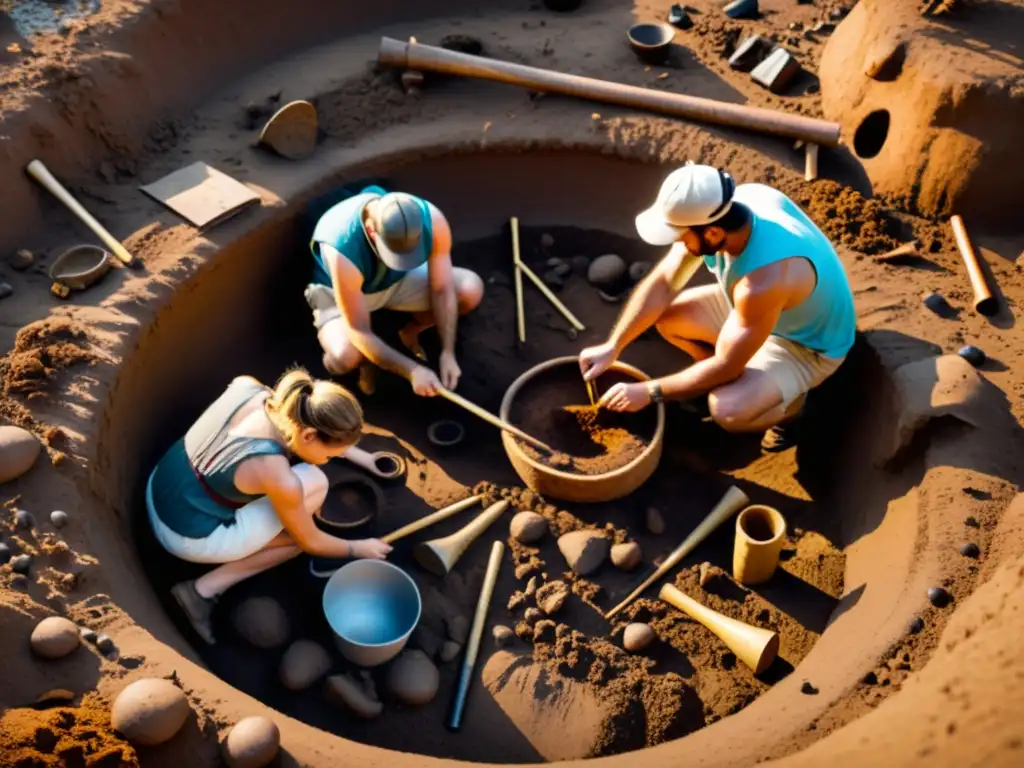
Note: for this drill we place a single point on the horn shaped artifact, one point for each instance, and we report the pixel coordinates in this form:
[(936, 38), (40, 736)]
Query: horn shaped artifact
[(755, 647), (429, 520), (731, 502), (439, 556)]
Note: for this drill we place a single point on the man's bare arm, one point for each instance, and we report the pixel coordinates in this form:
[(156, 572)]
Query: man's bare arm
[(650, 299), (347, 282), (443, 300), (758, 300)]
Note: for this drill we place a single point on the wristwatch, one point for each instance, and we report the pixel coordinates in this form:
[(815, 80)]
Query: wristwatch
[(654, 390)]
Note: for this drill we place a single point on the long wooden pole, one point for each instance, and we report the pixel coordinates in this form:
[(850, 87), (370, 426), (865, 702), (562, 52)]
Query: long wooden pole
[(520, 315), (489, 417), (573, 321), (398, 53), (431, 519), (729, 505), (984, 302)]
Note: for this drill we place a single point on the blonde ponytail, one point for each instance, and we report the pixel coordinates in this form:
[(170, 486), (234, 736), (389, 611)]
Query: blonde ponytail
[(303, 402)]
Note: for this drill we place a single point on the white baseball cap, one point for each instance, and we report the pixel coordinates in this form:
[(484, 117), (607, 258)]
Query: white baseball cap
[(691, 196)]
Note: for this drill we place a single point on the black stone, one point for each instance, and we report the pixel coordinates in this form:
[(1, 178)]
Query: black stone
[(809, 689), (937, 303), (970, 549), (916, 625), (104, 644), (939, 597), (5, 553), (24, 519), (973, 355), (678, 17), (870, 679), (21, 563), (972, 522), (59, 518)]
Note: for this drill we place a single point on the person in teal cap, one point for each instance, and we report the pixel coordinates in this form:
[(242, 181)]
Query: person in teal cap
[(777, 321), (388, 250)]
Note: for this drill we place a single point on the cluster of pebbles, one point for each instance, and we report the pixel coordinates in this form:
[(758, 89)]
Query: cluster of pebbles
[(608, 273)]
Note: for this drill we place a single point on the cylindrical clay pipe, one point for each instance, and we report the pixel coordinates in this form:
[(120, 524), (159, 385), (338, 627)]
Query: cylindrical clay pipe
[(760, 532)]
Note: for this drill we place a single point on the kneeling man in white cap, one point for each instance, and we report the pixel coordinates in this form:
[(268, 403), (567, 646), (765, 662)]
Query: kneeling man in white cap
[(776, 323), (388, 250)]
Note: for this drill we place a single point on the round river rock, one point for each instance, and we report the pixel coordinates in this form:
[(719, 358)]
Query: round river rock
[(637, 636), (303, 664), (149, 711), (263, 622), (626, 557), (251, 743), (413, 678), (584, 550), (19, 450), (527, 527), (55, 637), (606, 270)]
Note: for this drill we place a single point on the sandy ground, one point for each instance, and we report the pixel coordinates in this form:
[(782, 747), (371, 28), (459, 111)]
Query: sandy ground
[(82, 377)]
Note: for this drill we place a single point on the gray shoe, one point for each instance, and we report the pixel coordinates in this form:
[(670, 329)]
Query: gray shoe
[(198, 609)]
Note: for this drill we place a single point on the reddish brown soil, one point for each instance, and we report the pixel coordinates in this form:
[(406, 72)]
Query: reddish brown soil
[(159, 359), (553, 407), (63, 737)]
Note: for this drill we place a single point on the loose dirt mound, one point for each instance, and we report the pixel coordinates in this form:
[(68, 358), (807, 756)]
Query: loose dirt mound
[(64, 737)]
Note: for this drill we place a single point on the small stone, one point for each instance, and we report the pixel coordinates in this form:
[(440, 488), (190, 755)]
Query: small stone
[(637, 636), (606, 270), (252, 742), (584, 550), (24, 519), (742, 9), (428, 640), (544, 631), (808, 689), (580, 264), (972, 522), (262, 622), (88, 635), (528, 527), (937, 303), (19, 450), (5, 553), (343, 690), (552, 596), (547, 242), (58, 518), (750, 53), (516, 600), (149, 711), (458, 629), (554, 280), (450, 650), (5, 290), (973, 355), (413, 679), (777, 71), (531, 587), (638, 270), (627, 556), (939, 597), (916, 625), (21, 564), (21, 260), (533, 615), (970, 549), (105, 644), (559, 266), (303, 664), (54, 637), (655, 522), (502, 635)]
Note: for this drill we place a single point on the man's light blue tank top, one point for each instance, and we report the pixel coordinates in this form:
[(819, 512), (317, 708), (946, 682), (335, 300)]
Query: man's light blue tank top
[(825, 321), (342, 228)]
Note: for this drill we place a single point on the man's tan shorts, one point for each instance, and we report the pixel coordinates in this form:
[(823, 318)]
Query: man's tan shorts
[(793, 367)]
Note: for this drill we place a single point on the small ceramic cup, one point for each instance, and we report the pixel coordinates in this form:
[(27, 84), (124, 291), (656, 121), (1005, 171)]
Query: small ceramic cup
[(760, 533)]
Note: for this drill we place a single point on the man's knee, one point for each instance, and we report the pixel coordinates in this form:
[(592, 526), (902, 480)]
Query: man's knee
[(341, 361), (469, 289), (730, 413)]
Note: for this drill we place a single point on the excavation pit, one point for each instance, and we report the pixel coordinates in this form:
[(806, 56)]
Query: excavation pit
[(689, 679)]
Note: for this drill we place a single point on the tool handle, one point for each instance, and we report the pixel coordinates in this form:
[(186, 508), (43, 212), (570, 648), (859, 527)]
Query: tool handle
[(984, 301), (42, 174), (573, 321), (475, 636), (520, 313), (476, 410), (429, 520)]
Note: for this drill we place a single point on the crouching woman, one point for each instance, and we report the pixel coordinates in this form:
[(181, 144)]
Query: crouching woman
[(240, 488)]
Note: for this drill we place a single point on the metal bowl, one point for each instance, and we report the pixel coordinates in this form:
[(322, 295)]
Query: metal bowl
[(372, 606), (567, 486)]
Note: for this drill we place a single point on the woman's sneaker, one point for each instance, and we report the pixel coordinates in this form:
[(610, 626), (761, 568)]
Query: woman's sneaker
[(198, 609)]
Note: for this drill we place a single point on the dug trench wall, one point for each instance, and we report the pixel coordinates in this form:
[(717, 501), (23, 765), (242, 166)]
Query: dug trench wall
[(162, 338)]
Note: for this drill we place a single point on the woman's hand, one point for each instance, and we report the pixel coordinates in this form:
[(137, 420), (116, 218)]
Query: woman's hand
[(369, 549)]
